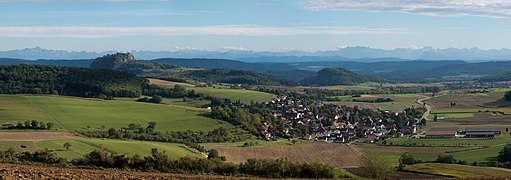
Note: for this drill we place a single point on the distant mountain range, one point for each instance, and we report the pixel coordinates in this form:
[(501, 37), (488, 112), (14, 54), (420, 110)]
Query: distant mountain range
[(356, 54)]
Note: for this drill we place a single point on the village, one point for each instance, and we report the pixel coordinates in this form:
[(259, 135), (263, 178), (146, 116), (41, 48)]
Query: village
[(346, 127), (339, 126)]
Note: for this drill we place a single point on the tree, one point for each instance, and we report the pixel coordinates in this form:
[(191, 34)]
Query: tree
[(507, 96), (34, 124), (49, 125), (156, 99), (375, 166), (151, 125), (424, 122), (407, 159), (448, 159), (112, 132), (505, 154), (435, 118), (213, 153), (67, 145)]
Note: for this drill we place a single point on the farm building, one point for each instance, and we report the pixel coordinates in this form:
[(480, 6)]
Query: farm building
[(482, 132), (441, 134)]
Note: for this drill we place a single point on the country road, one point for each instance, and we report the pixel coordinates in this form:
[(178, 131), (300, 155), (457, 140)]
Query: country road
[(428, 107)]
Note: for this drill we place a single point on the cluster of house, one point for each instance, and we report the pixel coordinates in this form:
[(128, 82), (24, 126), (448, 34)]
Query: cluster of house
[(456, 133), (343, 128)]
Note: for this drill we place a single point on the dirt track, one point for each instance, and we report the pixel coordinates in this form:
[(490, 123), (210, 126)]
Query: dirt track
[(35, 136), (338, 155), (11, 172)]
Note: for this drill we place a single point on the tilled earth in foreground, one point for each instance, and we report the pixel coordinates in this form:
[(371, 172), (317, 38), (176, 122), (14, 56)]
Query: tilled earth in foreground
[(11, 172)]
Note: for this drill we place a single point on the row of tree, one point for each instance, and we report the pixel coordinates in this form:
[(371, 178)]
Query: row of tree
[(137, 132), (34, 124)]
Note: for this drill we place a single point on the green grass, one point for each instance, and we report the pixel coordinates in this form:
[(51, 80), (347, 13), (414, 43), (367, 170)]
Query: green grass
[(189, 102), (16, 145), (245, 96), (446, 96), (401, 101), (76, 113), (459, 171), (450, 142), (81, 147), (452, 115), (341, 173), (485, 151)]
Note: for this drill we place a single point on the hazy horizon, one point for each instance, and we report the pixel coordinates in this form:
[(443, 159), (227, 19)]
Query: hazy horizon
[(256, 25)]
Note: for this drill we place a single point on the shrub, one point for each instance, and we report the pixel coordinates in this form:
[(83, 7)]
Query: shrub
[(448, 159), (407, 159)]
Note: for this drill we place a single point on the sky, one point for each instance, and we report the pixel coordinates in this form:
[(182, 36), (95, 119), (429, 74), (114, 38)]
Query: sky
[(258, 25)]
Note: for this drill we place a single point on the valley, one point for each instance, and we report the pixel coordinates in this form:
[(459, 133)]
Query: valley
[(338, 124)]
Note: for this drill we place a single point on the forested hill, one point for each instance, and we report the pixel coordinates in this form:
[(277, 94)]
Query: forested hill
[(506, 76), (227, 76), (227, 64), (336, 76), (76, 63), (72, 81)]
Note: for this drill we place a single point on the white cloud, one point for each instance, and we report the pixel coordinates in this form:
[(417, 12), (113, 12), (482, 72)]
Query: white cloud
[(234, 48), (488, 8), (230, 30)]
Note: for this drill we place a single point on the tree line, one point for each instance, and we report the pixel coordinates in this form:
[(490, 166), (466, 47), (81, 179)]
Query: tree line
[(189, 138), (160, 162), (34, 124)]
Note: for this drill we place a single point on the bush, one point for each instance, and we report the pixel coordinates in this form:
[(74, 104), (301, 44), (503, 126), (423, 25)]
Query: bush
[(448, 159), (407, 159), (505, 154)]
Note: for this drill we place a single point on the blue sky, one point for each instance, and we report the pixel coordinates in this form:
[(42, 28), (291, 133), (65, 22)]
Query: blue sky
[(260, 25)]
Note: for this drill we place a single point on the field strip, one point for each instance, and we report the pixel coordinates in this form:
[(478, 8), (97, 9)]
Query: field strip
[(35, 136), (337, 155)]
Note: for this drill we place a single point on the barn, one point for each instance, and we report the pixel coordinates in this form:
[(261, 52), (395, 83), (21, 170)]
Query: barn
[(482, 132)]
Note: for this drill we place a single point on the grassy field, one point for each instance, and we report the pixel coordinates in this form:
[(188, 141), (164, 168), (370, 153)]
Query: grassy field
[(401, 101), (450, 142), (77, 113), (80, 147), (459, 171), (220, 91), (452, 115), (470, 103), (245, 96), (470, 150), (17, 145)]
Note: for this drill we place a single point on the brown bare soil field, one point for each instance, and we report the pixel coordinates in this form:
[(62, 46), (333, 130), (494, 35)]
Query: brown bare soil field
[(338, 155), (405, 149), (35, 136), (11, 172)]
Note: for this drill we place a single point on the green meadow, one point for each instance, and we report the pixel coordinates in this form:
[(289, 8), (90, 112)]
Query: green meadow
[(83, 146), (245, 96), (77, 113), (458, 171)]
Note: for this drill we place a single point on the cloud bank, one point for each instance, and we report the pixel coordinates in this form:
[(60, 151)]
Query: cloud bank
[(487, 8), (231, 30)]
